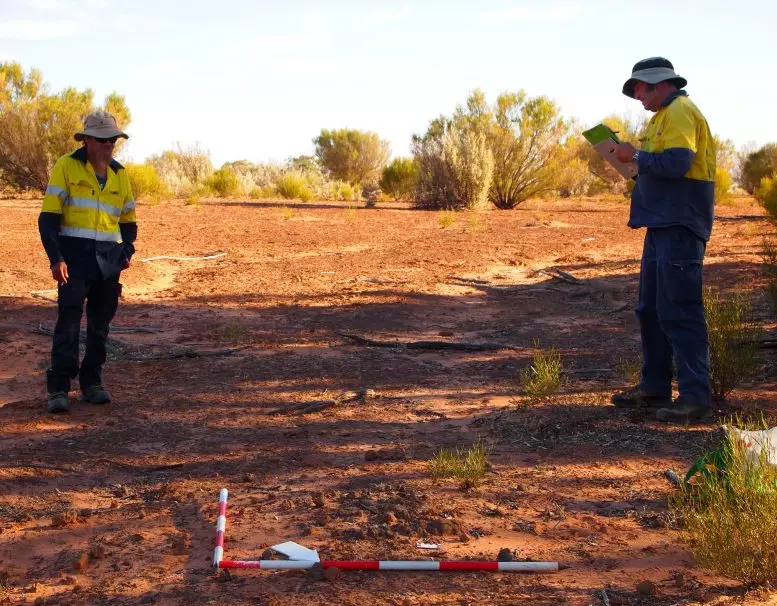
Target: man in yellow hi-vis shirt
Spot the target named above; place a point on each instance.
(87, 226)
(673, 198)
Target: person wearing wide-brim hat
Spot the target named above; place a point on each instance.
(88, 227)
(673, 198)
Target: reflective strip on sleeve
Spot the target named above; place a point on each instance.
(128, 206)
(89, 234)
(55, 190)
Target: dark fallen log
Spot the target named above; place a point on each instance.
(112, 345)
(304, 408)
(177, 354)
(429, 345)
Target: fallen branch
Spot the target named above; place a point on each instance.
(431, 345)
(605, 599)
(177, 354)
(161, 257)
(304, 408)
(114, 346)
(44, 297)
(554, 272)
(129, 329)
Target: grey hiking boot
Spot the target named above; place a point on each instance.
(95, 394)
(58, 402)
(635, 397)
(683, 411)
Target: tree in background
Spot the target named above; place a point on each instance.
(757, 165)
(37, 127)
(353, 156)
(399, 178)
(526, 137)
(182, 170)
(725, 167)
(455, 165)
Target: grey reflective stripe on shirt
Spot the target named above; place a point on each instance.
(128, 206)
(54, 190)
(90, 234)
(95, 204)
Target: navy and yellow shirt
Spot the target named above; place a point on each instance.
(89, 225)
(676, 182)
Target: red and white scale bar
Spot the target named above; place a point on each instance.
(396, 565)
(407, 565)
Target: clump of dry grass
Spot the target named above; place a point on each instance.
(729, 512)
(468, 465)
(543, 377)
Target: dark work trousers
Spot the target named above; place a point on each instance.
(102, 299)
(671, 314)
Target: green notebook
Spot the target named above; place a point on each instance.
(599, 133)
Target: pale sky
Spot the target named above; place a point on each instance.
(258, 80)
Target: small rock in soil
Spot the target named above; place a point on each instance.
(646, 588)
(333, 574)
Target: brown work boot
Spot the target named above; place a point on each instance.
(58, 402)
(635, 397)
(683, 411)
(95, 394)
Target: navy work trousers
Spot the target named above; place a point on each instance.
(671, 314)
(102, 300)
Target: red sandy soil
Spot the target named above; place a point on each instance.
(117, 504)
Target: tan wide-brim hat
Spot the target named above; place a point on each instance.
(652, 71)
(101, 125)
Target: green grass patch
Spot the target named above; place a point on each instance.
(468, 465)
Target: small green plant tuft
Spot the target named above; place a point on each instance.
(350, 214)
(728, 506)
(468, 465)
(733, 338)
(543, 377)
(630, 369)
(445, 218)
(287, 213)
(236, 331)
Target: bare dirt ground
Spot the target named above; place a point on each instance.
(117, 504)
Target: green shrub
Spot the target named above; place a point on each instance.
(182, 170)
(468, 465)
(352, 156)
(145, 182)
(293, 186)
(766, 194)
(723, 184)
(224, 182)
(399, 178)
(729, 513)
(455, 168)
(757, 165)
(733, 343)
(543, 377)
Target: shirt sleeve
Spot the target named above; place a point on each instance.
(128, 210)
(56, 190)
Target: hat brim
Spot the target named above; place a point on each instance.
(628, 86)
(100, 133)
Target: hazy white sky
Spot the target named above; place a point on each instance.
(257, 80)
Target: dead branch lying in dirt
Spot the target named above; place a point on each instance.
(554, 272)
(165, 257)
(346, 398)
(445, 345)
(123, 351)
(44, 297)
(112, 345)
(178, 353)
